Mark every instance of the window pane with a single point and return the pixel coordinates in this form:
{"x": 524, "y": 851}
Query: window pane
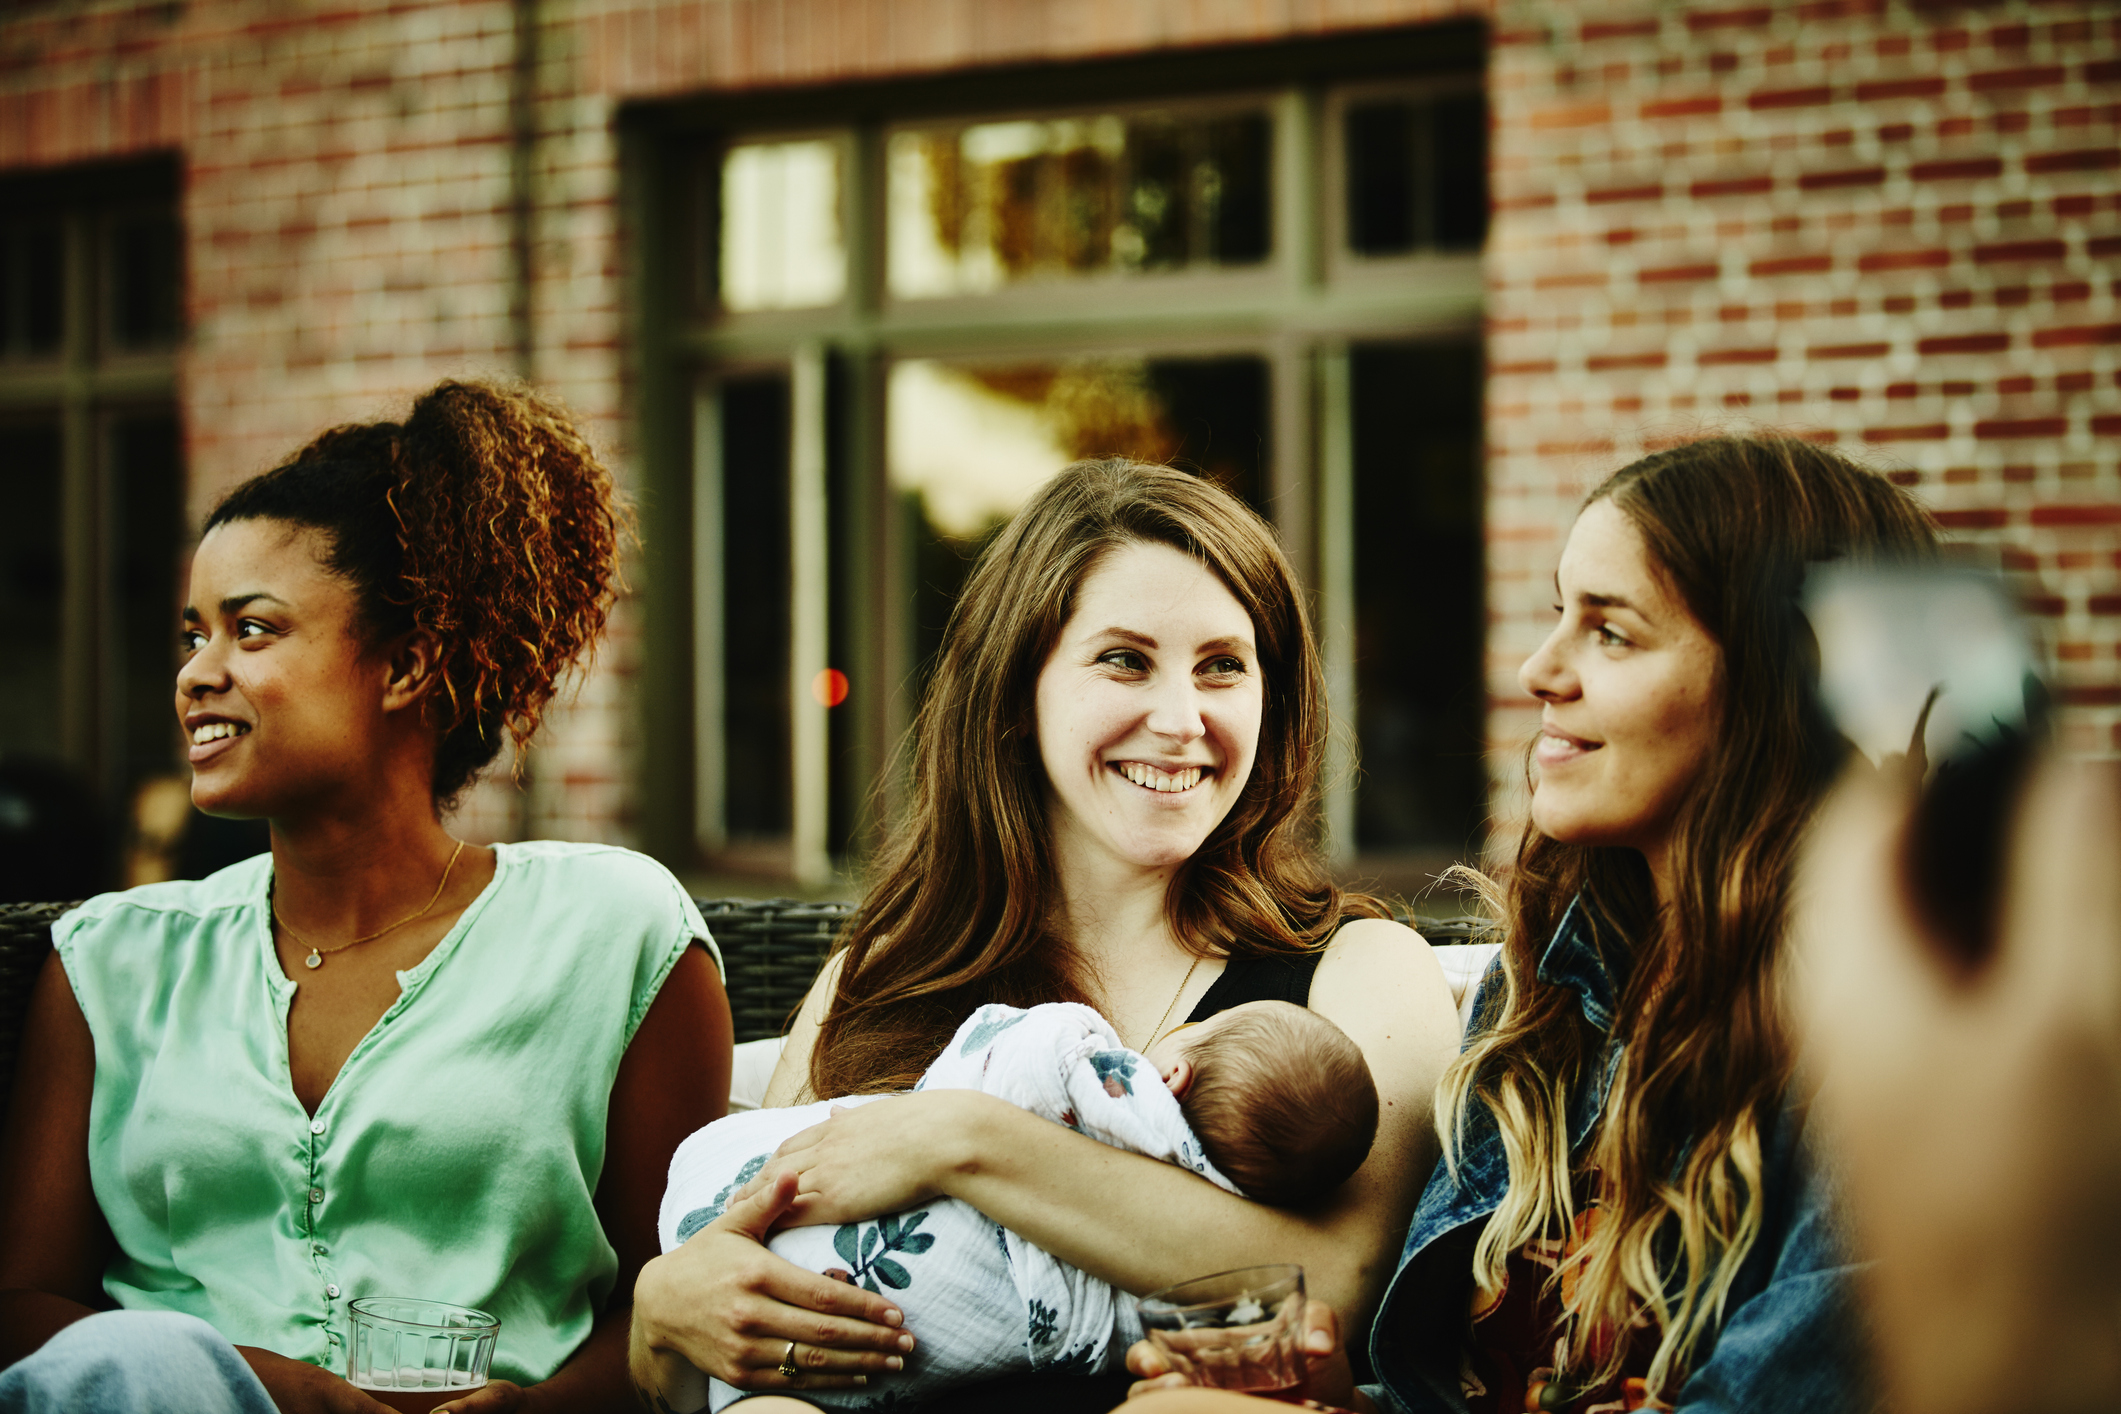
{"x": 969, "y": 443}
{"x": 1417, "y": 174}
{"x": 976, "y": 207}
{"x": 1460, "y": 131}
{"x": 30, "y": 588}
{"x": 758, "y": 789}
{"x": 32, "y": 286}
{"x": 781, "y": 243}
{"x": 143, "y": 281}
{"x": 1419, "y": 615}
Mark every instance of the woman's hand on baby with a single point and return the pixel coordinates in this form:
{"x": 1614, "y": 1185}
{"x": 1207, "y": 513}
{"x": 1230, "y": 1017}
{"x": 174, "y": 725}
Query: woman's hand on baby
{"x": 1329, "y": 1380}
{"x": 729, "y": 1306}
{"x": 866, "y": 1160}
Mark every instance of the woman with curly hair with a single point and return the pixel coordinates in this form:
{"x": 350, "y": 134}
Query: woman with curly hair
{"x": 1628, "y": 1217}
{"x": 1115, "y": 801}
{"x": 377, "y": 1061}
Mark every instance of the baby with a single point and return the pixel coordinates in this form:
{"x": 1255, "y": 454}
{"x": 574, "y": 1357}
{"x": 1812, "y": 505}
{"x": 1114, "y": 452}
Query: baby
{"x": 1265, "y": 1099}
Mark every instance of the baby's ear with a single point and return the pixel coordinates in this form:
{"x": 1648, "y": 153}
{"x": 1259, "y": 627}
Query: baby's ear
{"x": 1178, "y": 1077}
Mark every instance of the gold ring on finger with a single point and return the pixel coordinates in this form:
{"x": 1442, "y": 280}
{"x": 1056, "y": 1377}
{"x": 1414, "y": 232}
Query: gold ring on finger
{"x": 788, "y": 1366}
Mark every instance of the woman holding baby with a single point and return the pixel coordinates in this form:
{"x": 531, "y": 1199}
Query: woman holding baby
{"x": 1115, "y": 802}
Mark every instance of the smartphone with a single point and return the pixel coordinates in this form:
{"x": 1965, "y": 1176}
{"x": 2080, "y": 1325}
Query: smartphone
{"x": 1932, "y": 668}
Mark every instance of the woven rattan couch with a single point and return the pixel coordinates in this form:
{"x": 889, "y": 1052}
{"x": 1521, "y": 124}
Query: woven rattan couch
{"x": 772, "y": 950}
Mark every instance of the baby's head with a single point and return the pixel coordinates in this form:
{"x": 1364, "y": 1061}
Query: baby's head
{"x": 1280, "y": 1097}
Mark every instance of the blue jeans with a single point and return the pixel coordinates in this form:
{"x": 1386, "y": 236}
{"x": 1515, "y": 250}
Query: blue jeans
{"x": 134, "y": 1362}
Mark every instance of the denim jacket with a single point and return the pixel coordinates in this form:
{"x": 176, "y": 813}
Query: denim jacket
{"x": 1790, "y": 1339}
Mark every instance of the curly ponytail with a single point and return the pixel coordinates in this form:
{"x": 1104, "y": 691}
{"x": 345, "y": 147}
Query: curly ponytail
{"x": 486, "y": 520}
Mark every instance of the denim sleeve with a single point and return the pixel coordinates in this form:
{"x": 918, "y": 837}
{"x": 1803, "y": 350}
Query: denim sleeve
{"x": 1798, "y": 1343}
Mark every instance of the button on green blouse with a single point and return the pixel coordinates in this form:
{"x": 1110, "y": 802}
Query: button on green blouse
{"x": 455, "y": 1157}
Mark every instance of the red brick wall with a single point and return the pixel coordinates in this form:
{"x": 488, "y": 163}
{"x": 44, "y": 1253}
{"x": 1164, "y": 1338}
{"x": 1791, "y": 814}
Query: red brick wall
{"x": 1897, "y": 230}
{"x": 1890, "y": 226}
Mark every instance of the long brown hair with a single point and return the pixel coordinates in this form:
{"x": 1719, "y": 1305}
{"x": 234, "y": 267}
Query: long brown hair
{"x": 966, "y": 897}
{"x": 1731, "y": 524}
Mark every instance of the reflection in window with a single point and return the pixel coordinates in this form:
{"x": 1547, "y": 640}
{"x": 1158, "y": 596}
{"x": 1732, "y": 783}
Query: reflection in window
{"x": 781, "y": 243}
{"x": 1419, "y": 624}
{"x": 1417, "y": 174}
{"x": 969, "y": 443}
{"x": 976, "y": 207}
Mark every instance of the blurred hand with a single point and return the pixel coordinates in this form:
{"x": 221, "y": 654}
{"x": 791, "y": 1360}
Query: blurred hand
{"x": 1978, "y": 1118}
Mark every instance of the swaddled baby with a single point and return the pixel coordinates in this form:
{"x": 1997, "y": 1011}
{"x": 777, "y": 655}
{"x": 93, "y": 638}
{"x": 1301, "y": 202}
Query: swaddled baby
{"x": 1265, "y": 1099}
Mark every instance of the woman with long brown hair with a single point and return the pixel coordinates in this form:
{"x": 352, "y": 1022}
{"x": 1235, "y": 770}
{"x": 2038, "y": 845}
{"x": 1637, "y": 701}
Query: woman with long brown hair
{"x": 1627, "y": 1217}
{"x": 1114, "y": 801}
{"x": 379, "y": 1060}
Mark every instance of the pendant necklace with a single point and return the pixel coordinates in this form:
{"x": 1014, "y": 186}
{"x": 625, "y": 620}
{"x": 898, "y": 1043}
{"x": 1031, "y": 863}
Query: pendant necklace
{"x": 317, "y": 955}
{"x": 1158, "y": 1029}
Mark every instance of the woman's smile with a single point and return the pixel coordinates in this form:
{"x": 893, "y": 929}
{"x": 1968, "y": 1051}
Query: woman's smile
{"x": 211, "y": 736}
{"x": 1557, "y": 748}
{"x": 1163, "y": 780}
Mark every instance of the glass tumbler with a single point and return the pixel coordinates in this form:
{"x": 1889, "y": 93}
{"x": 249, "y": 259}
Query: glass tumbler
{"x": 414, "y": 1355}
{"x": 1240, "y": 1330}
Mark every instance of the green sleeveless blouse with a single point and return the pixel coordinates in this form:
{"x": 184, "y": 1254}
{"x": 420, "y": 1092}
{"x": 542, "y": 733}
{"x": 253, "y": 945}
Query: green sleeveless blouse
{"x": 455, "y": 1157}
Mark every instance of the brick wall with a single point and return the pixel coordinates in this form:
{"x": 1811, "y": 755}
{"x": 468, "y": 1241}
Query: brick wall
{"x": 1895, "y": 229}
{"x": 1891, "y": 226}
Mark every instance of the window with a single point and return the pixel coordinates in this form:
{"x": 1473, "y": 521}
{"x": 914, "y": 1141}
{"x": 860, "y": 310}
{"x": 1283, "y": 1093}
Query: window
{"x": 1260, "y": 266}
{"x": 90, "y": 309}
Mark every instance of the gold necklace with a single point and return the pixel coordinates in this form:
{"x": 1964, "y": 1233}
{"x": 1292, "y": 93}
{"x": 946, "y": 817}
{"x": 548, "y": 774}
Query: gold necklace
{"x": 1158, "y": 1029}
{"x": 317, "y": 955}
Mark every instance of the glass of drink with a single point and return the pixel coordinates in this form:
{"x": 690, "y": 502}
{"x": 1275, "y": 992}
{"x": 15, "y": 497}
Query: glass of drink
{"x": 414, "y": 1355}
{"x": 1240, "y": 1330}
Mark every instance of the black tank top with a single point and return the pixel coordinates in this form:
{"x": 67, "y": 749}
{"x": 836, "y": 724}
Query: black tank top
{"x": 1270, "y": 977}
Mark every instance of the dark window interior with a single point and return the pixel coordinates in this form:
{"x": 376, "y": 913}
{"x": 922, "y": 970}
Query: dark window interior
{"x": 756, "y": 624}
{"x": 144, "y": 280}
{"x": 1419, "y": 645}
{"x": 31, "y": 583}
{"x": 1417, "y": 174}
{"x": 147, "y": 487}
{"x": 32, "y": 286}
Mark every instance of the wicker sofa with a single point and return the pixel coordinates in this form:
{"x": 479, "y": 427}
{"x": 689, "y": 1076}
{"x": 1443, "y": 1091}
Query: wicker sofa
{"x": 771, "y": 948}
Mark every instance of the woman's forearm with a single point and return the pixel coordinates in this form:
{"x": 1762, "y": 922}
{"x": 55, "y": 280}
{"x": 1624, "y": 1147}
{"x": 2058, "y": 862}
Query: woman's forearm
{"x": 1140, "y": 1223}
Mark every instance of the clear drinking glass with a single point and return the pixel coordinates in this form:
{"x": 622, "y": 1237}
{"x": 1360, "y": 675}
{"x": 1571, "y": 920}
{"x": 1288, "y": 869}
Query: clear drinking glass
{"x": 414, "y": 1355}
{"x": 1240, "y": 1330}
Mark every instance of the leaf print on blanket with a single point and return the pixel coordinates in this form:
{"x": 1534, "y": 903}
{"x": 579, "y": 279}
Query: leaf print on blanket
{"x": 1043, "y": 1320}
{"x": 987, "y": 1030}
{"x": 1082, "y": 1360}
{"x": 867, "y": 1249}
{"x": 700, "y": 1217}
{"x": 1116, "y": 1070}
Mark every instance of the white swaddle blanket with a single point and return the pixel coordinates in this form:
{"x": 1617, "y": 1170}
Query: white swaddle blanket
{"x": 983, "y": 1302}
